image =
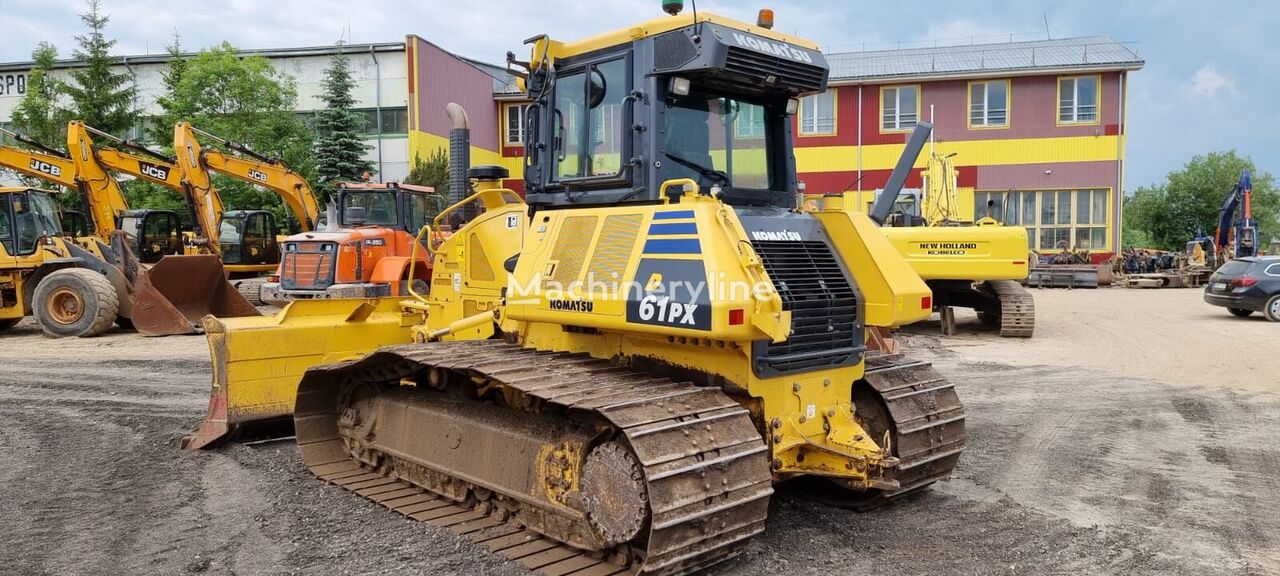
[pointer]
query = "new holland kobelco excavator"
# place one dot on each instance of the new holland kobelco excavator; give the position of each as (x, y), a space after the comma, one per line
(153, 233)
(610, 378)
(968, 263)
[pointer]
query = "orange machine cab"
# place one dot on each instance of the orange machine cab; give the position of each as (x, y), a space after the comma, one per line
(365, 253)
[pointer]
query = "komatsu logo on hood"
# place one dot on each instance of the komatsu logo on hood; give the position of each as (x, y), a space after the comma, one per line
(776, 235)
(780, 49)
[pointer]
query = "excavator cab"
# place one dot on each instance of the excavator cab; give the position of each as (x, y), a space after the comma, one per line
(154, 233)
(74, 223)
(248, 237)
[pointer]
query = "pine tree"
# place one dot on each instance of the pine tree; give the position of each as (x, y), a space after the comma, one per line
(434, 171)
(339, 150)
(37, 115)
(99, 97)
(172, 77)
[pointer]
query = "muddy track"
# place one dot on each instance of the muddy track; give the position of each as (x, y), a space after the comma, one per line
(1066, 471)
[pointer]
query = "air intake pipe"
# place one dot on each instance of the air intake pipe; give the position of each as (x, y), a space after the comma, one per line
(884, 202)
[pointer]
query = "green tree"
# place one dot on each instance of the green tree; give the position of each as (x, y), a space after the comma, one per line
(99, 96)
(242, 99)
(434, 171)
(1168, 214)
(37, 115)
(339, 149)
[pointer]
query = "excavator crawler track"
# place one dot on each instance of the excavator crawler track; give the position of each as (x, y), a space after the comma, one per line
(692, 453)
(1017, 308)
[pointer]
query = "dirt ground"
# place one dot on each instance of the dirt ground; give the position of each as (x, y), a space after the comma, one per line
(1137, 433)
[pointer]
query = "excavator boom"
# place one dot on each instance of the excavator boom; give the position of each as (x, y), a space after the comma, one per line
(256, 169)
(178, 291)
(99, 191)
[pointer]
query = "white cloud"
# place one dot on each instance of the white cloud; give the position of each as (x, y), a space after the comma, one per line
(1207, 81)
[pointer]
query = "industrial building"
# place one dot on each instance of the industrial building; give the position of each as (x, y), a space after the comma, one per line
(380, 91)
(1037, 128)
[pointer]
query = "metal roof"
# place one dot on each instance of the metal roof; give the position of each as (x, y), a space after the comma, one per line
(1088, 53)
(268, 52)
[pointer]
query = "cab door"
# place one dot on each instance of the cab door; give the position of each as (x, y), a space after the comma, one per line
(8, 241)
(260, 243)
(11, 308)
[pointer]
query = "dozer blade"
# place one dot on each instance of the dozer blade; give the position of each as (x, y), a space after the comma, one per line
(178, 291)
(258, 362)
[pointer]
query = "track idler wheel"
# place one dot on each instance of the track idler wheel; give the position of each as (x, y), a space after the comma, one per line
(614, 496)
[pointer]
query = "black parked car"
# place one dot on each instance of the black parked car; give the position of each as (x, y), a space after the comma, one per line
(1247, 285)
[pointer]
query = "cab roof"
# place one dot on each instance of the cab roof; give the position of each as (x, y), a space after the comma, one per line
(664, 24)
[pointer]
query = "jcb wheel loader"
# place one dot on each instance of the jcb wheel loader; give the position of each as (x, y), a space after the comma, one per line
(70, 289)
(611, 378)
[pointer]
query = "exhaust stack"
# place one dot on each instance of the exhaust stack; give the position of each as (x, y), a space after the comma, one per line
(459, 151)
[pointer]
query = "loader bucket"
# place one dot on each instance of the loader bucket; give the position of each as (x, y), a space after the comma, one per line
(178, 291)
(258, 362)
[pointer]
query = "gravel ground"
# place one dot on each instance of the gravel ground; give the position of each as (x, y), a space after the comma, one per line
(1162, 457)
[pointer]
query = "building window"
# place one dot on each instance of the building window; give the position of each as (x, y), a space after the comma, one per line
(818, 114)
(1054, 219)
(989, 104)
(900, 107)
(1078, 100)
(517, 115)
(750, 122)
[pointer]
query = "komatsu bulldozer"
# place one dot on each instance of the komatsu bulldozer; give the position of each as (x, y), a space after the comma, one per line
(610, 375)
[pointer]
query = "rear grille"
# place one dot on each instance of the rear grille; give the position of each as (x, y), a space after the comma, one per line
(825, 327)
(805, 77)
(308, 265)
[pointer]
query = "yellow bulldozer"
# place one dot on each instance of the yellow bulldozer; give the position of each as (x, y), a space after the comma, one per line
(611, 374)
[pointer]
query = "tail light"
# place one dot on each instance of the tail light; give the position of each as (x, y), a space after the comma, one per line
(926, 302)
(1243, 282)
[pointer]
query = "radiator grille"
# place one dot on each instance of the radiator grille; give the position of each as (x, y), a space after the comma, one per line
(825, 328)
(613, 251)
(308, 265)
(750, 63)
(571, 248)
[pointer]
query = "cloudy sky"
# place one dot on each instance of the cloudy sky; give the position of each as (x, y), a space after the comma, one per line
(1210, 65)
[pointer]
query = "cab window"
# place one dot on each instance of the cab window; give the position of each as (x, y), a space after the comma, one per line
(380, 207)
(33, 216)
(416, 212)
(6, 228)
(588, 124)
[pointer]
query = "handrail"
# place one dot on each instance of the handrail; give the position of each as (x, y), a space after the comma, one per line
(689, 182)
(433, 228)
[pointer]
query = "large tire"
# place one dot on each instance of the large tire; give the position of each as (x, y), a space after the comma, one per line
(8, 323)
(75, 302)
(1240, 312)
(1272, 311)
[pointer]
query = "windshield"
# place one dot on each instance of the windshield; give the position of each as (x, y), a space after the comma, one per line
(35, 216)
(718, 141)
(230, 230)
(379, 207)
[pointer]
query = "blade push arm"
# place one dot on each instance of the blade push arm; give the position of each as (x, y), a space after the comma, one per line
(268, 173)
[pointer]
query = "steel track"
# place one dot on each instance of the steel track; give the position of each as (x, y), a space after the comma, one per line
(704, 464)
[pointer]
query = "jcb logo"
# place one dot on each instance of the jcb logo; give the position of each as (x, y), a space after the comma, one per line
(47, 168)
(153, 171)
(256, 175)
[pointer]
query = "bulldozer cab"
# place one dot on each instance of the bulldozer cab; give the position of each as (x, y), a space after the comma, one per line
(27, 216)
(154, 233)
(248, 237)
(707, 101)
(392, 205)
